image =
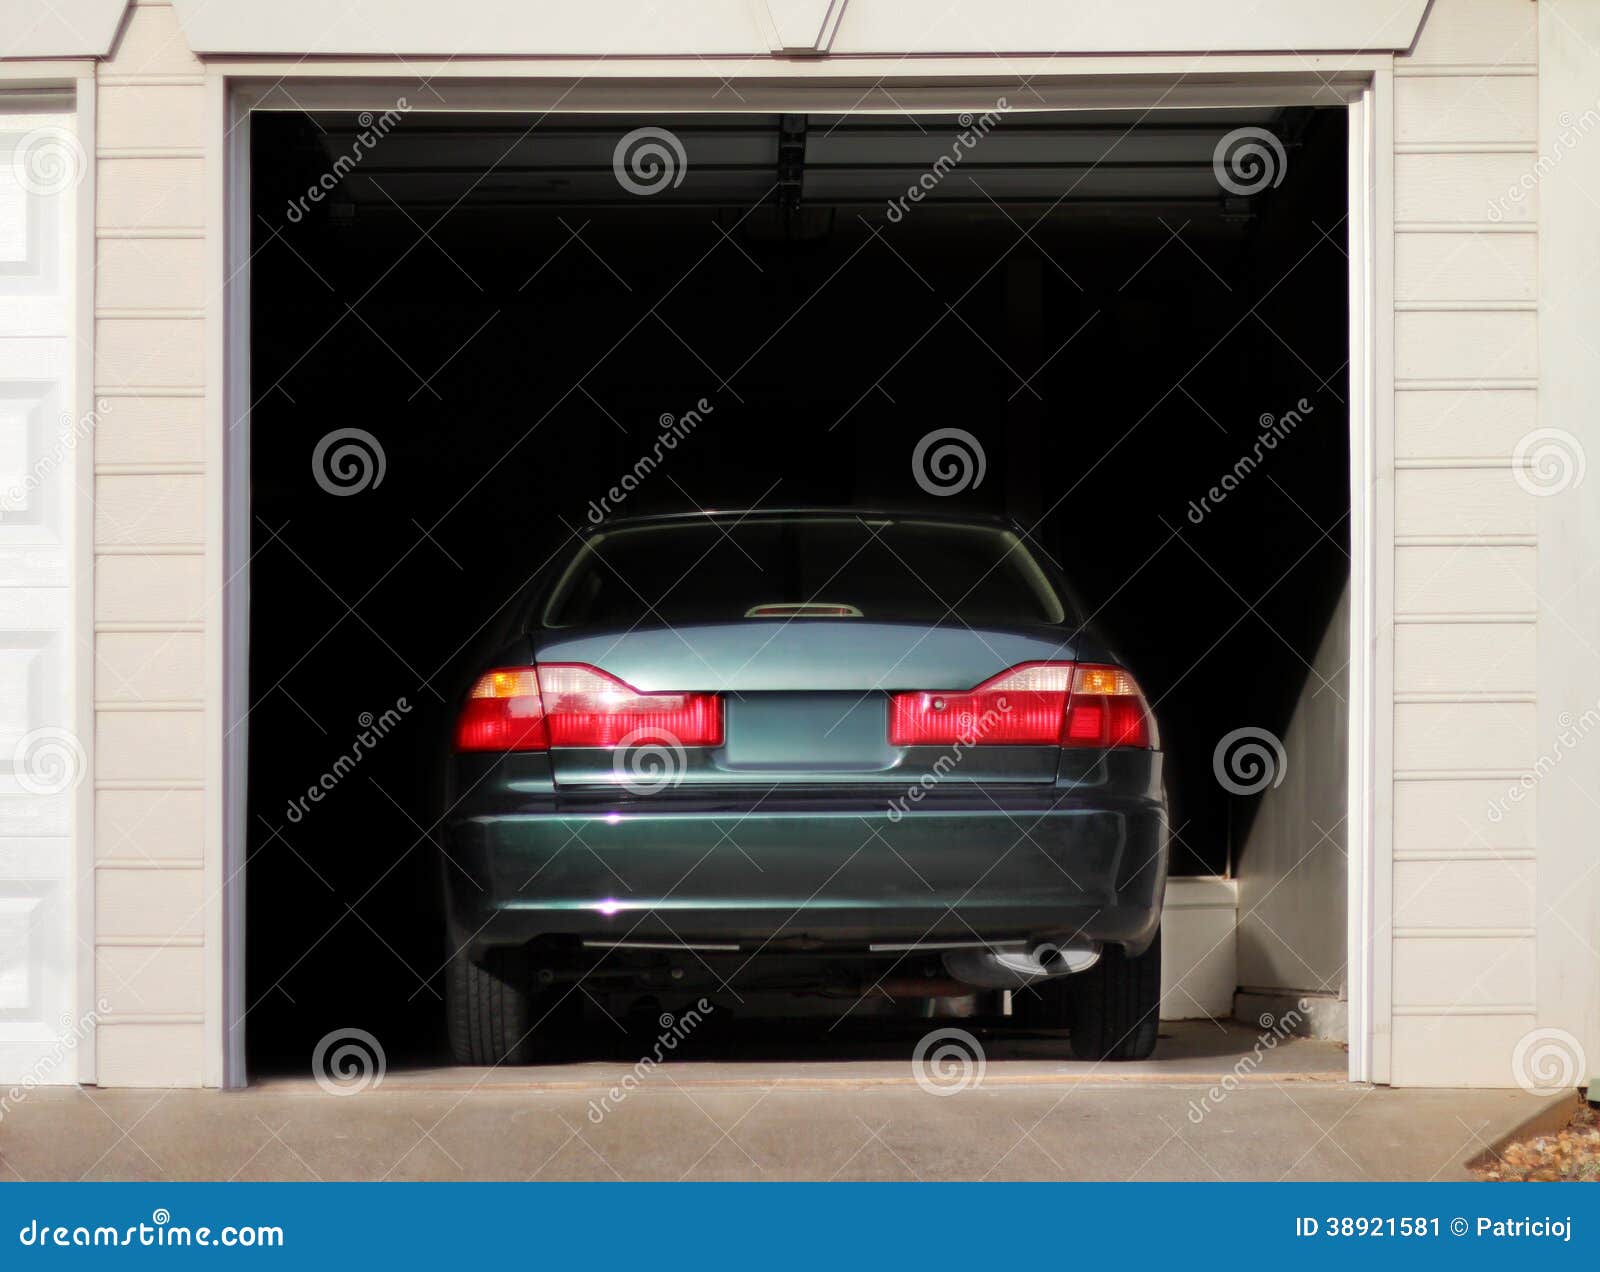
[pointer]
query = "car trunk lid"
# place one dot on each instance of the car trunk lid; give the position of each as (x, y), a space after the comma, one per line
(806, 701)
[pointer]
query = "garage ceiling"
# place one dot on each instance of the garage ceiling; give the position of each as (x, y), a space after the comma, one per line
(1065, 160)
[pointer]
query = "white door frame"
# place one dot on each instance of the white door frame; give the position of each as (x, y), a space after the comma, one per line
(1362, 83)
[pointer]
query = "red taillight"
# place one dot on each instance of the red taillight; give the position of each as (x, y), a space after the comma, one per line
(586, 707)
(570, 704)
(1106, 709)
(1034, 704)
(504, 712)
(1020, 707)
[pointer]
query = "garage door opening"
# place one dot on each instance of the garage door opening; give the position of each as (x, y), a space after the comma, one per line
(1137, 321)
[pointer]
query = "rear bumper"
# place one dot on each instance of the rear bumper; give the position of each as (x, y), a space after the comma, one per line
(808, 878)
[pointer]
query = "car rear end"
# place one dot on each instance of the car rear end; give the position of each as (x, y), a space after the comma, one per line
(743, 737)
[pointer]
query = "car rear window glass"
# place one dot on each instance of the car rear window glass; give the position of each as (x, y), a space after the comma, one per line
(788, 569)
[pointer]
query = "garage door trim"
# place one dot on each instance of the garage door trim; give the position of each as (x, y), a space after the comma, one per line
(1362, 83)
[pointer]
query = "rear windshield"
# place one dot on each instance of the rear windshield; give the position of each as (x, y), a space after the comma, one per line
(792, 568)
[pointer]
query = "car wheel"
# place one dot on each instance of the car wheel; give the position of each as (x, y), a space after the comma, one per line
(494, 1016)
(1114, 1005)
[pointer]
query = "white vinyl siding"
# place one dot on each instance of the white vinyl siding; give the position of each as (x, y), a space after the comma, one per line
(1465, 674)
(150, 596)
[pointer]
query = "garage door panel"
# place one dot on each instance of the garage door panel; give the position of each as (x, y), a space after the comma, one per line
(41, 760)
(35, 454)
(34, 966)
(33, 262)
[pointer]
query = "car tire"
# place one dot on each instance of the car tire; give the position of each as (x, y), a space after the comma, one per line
(1109, 1009)
(493, 1012)
(1115, 1003)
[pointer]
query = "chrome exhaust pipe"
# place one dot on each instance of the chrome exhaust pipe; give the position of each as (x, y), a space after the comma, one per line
(1016, 969)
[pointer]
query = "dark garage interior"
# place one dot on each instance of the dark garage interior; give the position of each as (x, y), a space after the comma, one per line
(515, 327)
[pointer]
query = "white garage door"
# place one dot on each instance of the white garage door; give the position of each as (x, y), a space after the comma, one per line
(42, 762)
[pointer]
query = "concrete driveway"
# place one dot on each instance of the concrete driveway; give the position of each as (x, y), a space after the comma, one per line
(1201, 1112)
